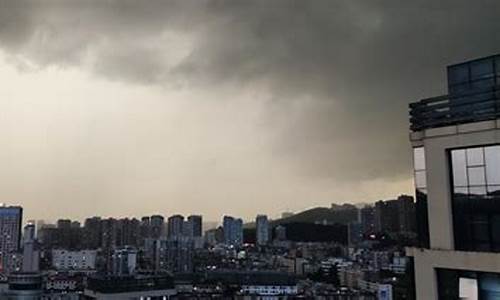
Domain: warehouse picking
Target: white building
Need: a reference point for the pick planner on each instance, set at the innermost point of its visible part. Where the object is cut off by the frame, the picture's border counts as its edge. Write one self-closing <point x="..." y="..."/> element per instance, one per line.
<point x="74" y="260"/>
<point x="31" y="255"/>
<point x="456" y="142"/>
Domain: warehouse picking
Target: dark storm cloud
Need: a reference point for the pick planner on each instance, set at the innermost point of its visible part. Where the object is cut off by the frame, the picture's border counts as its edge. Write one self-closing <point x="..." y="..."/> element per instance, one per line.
<point x="341" y="73"/>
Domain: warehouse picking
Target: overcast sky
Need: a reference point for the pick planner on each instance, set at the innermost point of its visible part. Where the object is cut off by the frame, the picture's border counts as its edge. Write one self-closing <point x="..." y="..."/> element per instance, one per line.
<point x="128" y="108"/>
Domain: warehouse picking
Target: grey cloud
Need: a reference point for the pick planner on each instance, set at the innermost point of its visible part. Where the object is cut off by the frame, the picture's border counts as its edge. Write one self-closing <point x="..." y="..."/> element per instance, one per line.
<point x="357" y="62"/>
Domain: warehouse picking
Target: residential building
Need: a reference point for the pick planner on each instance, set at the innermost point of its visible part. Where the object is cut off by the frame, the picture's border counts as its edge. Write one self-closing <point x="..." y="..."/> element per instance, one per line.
<point x="175" y="225"/>
<point x="233" y="231"/>
<point x="10" y="234"/>
<point x="197" y="225"/>
<point x="157" y="226"/>
<point x="63" y="260"/>
<point x="367" y="219"/>
<point x="456" y="146"/>
<point x="262" y="230"/>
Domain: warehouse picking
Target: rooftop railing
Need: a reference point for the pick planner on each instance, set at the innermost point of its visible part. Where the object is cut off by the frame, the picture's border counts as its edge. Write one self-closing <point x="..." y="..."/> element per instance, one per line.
<point x="456" y="108"/>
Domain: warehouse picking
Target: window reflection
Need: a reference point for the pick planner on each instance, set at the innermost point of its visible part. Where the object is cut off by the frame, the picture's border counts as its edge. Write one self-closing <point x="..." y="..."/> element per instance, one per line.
<point x="476" y="176"/>
<point x="421" y="211"/>
<point x="459" y="168"/>
<point x="475" y="157"/>
<point x="492" y="157"/>
<point x="476" y="198"/>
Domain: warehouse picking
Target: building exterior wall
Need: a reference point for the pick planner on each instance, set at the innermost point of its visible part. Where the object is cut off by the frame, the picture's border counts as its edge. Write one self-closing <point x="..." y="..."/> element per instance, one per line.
<point x="438" y="172"/>
<point x="428" y="260"/>
<point x="75" y="260"/>
<point x="442" y="253"/>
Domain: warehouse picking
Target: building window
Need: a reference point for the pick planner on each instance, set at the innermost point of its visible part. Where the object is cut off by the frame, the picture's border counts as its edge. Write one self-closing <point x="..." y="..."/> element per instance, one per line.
<point x="461" y="284"/>
<point x="421" y="197"/>
<point x="476" y="198"/>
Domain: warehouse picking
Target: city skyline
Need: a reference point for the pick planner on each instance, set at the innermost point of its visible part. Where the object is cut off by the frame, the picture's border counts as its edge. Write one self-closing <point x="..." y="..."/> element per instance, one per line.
<point x="122" y="108"/>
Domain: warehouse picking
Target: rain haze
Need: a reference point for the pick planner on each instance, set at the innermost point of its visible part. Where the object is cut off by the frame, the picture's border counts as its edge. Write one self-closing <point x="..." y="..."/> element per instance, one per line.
<point x="128" y="108"/>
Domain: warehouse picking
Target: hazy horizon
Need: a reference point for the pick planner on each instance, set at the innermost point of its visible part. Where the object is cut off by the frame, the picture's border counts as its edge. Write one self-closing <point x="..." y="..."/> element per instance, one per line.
<point x="131" y="108"/>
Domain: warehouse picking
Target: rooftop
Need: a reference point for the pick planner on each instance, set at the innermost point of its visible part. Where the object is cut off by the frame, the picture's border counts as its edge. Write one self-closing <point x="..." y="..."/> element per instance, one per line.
<point x="473" y="95"/>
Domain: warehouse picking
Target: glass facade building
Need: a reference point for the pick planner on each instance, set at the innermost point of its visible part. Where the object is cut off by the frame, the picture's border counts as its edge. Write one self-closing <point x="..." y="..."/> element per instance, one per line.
<point x="456" y="156"/>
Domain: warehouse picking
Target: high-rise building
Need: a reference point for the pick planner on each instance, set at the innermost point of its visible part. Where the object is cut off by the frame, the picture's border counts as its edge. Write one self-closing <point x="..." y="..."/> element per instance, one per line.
<point x="157" y="226"/>
<point x="92" y="232"/>
<point x="262" y="229"/>
<point x="10" y="233"/>
<point x="395" y="216"/>
<point x="180" y="254"/>
<point x="130" y="232"/>
<point x="406" y="214"/>
<point x="175" y="224"/>
<point x="354" y="233"/>
<point x="197" y="227"/>
<point x="233" y="231"/>
<point x="30" y="252"/>
<point x="456" y="146"/>
<point x="367" y="219"/>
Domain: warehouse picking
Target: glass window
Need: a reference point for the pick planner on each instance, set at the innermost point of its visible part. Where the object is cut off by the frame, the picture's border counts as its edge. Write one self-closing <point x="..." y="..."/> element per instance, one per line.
<point x="481" y="68"/>
<point x="467" y="288"/>
<point x="477" y="190"/>
<point x="492" y="158"/>
<point x="476" y="176"/>
<point x="470" y="285"/>
<point x="459" y="168"/>
<point x="458" y="74"/>
<point x="475" y="156"/>
<point x="421" y="207"/>
<point x="476" y="198"/>
<point x="480" y="228"/>
<point x="495" y="229"/>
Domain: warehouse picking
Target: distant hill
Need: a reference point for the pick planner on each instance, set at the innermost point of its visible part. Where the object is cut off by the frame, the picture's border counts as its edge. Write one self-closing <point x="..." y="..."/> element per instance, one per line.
<point x="337" y="215"/>
<point x="320" y="215"/>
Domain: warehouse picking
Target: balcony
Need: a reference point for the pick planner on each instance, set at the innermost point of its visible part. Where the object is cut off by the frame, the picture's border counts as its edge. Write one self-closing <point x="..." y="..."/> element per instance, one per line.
<point x="480" y="104"/>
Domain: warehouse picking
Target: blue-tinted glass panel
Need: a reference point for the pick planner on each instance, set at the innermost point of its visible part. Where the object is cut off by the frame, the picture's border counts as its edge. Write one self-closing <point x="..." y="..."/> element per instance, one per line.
<point x="458" y="74"/>
<point x="481" y="68"/>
